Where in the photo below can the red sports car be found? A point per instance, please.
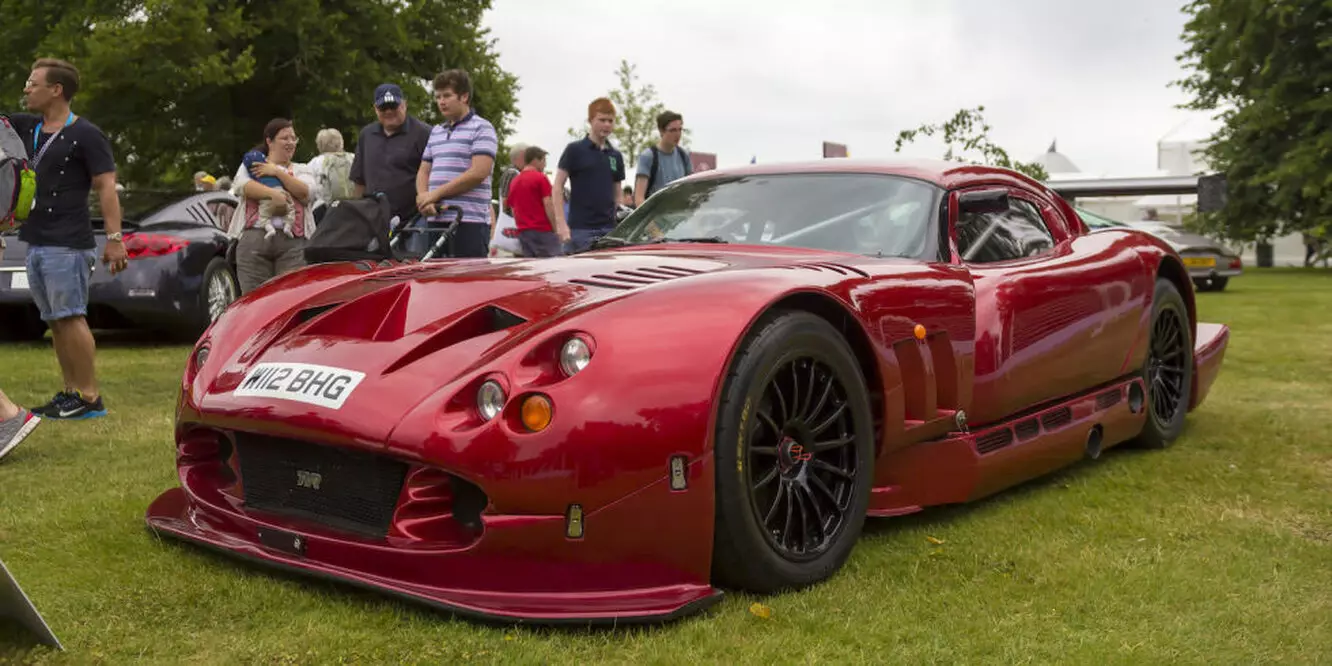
(715, 396)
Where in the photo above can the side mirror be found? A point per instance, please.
(1211, 192)
(984, 201)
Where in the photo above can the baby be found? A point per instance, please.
(273, 219)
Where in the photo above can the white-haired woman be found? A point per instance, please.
(332, 171)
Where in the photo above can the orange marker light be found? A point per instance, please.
(920, 332)
(537, 412)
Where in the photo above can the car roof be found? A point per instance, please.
(945, 174)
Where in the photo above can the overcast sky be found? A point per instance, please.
(776, 79)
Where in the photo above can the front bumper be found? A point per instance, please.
(478, 564)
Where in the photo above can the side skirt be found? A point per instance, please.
(965, 466)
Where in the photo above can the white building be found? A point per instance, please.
(1178, 153)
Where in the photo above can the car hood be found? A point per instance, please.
(395, 335)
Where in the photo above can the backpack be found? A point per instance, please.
(18, 182)
(335, 176)
(352, 230)
(652, 171)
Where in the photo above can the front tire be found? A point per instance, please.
(795, 456)
(1168, 370)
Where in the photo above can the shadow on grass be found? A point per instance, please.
(1050, 482)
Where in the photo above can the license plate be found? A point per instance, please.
(18, 280)
(287, 542)
(1199, 262)
(312, 384)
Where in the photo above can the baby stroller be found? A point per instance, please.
(358, 230)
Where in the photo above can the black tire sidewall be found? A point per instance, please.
(1156, 434)
(778, 338)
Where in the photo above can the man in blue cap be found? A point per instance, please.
(388, 152)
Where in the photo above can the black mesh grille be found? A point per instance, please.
(343, 489)
(1057, 419)
(1028, 429)
(994, 441)
(1108, 399)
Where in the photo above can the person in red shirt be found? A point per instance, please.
(540, 232)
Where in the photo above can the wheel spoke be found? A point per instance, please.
(776, 502)
(796, 407)
(819, 521)
(815, 431)
(797, 495)
(832, 498)
(809, 393)
(767, 420)
(827, 467)
(790, 517)
(767, 478)
(829, 445)
(764, 450)
(781, 400)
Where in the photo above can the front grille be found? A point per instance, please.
(347, 490)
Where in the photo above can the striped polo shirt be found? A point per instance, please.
(449, 153)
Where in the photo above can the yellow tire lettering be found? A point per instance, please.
(740, 440)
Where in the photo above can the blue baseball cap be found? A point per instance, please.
(388, 94)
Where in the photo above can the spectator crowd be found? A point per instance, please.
(429, 176)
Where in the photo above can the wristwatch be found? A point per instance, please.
(113, 238)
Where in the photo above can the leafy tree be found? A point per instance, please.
(183, 85)
(1266, 67)
(637, 108)
(967, 131)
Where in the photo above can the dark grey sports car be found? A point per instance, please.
(1210, 264)
(178, 280)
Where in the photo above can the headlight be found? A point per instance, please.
(574, 356)
(490, 399)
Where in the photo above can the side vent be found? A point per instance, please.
(479, 322)
(638, 277)
(1109, 399)
(993, 441)
(1057, 419)
(1028, 429)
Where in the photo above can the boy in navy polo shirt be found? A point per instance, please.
(456, 166)
(595, 169)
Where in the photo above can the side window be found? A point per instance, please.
(1018, 233)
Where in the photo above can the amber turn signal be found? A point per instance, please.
(537, 412)
(920, 332)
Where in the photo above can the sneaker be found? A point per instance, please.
(12, 431)
(73, 406)
(48, 408)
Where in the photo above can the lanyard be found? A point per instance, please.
(36, 132)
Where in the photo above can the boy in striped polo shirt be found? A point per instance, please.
(456, 167)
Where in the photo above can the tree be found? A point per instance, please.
(968, 129)
(186, 85)
(1266, 67)
(637, 109)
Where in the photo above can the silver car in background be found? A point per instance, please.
(1210, 264)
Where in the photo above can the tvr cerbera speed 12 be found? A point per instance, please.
(714, 397)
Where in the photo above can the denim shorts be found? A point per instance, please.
(58, 278)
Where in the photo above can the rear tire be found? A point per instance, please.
(794, 454)
(1168, 369)
(21, 325)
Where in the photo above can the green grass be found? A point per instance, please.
(1218, 550)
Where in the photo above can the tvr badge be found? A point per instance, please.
(309, 480)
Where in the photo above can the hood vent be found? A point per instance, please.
(630, 279)
(829, 267)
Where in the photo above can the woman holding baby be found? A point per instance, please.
(274, 220)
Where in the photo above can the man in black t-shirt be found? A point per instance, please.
(71, 157)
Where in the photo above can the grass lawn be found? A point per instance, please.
(1218, 550)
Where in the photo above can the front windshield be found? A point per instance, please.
(867, 214)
